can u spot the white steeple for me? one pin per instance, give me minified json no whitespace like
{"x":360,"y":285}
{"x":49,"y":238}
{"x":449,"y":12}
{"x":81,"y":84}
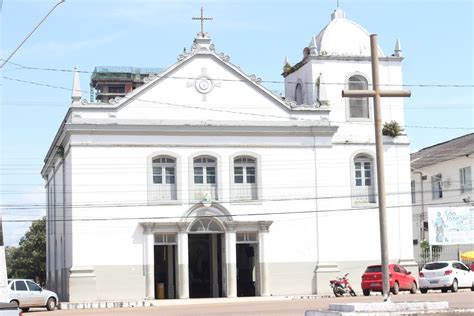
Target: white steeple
{"x":76,"y":95}
{"x":313,"y":46}
{"x":286,"y":65}
{"x":398,"y":49}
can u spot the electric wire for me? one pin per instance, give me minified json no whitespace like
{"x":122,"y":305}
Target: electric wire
{"x":436,"y":85}
{"x":260,"y":213}
{"x":239,"y":112}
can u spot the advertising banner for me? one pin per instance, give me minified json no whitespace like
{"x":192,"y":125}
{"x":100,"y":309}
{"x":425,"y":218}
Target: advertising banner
{"x":451,"y":225}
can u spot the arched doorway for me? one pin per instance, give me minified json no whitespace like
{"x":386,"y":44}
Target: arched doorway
{"x":205,"y":251}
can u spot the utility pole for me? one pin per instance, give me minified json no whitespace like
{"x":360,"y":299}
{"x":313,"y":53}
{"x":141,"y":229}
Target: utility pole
{"x":28,"y":36}
{"x":376,"y":93}
{"x":3,"y":265}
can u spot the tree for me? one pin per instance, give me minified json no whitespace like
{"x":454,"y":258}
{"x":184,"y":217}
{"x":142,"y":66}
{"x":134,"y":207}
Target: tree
{"x":28,"y":260}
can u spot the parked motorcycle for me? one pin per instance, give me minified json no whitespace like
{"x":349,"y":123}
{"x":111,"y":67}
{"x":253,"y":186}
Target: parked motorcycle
{"x":341,"y":286}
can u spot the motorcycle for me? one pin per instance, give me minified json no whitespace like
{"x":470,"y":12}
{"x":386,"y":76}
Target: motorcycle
{"x":341,"y":286}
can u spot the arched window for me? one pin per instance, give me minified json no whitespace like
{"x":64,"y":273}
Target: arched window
{"x":299,"y":94}
{"x":164,"y":178}
{"x":363,"y":179}
{"x":208,"y":225}
{"x":244,"y":186}
{"x":205,"y":177}
{"x":358,"y":107}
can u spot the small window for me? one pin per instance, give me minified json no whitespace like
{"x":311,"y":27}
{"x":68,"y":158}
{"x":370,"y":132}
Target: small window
{"x":117,"y":89}
{"x":164,"y":170}
{"x":163,"y":178}
{"x":358,"y":107}
{"x":363,"y":184}
{"x":246,"y":238}
{"x":204,"y":170}
{"x":165,"y":239}
{"x":12,"y":286}
{"x":245,"y":178}
{"x":437,"y":186}
{"x":205,"y":177}
{"x":396,"y":268}
{"x":299,"y":94}
{"x":20,"y":286}
{"x":425,"y":226}
{"x":465,"y":179}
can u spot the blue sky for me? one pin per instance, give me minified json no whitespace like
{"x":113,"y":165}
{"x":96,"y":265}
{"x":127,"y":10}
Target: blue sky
{"x":436,"y":37}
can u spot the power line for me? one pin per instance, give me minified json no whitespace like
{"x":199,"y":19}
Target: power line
{"x":440,"y":153}
{"x":238,"y":112}
{"x":104,"y":162}
{"x":90,"y":219}
{"x":435,"y":85}
{"x":267,"y":198}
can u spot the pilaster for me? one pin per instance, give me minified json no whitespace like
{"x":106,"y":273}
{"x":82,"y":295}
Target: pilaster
{"x":183,"y":261}
{"x":149,"y":243}
{"x":231,"y":260}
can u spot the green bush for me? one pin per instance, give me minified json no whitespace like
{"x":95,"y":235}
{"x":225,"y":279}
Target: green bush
{"x":391,"y":129}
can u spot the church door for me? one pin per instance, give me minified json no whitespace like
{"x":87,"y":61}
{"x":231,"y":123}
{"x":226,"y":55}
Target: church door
{"x":205,"y":250}
{"x":205,"y":262}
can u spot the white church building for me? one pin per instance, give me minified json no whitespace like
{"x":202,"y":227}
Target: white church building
{"x":203,"y":183}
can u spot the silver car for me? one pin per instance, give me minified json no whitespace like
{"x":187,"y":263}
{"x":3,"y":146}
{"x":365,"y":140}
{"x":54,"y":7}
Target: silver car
{"x":446,"y":275}
{"x":26,"y":294}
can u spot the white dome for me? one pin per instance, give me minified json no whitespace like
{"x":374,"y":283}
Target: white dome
{"x":342,"y":37}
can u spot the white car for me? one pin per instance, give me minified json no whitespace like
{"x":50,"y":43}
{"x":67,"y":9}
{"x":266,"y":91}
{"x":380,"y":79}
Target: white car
{"x":26,"y":294}
{"x":446,"y":275}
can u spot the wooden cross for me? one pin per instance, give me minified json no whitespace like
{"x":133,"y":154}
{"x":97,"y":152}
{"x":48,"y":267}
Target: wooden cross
{"x":202,"y":18}
{"x":376,"y":93}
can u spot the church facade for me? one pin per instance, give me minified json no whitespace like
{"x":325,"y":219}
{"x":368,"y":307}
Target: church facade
{"x":203,"y":183}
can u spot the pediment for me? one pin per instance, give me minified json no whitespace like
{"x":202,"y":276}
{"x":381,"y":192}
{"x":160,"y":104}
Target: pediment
{"x":202,"y":86}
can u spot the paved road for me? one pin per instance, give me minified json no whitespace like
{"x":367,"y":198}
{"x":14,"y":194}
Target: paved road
{"x":261,"y":306}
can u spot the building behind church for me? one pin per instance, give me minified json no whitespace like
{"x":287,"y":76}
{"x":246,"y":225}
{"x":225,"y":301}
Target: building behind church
{"x":441,"y":182}
{"x":203,"y":183}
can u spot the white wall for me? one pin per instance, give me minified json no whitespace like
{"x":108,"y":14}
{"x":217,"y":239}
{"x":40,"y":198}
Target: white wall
{"x":452,"y":197}
{"x":116,"y":176}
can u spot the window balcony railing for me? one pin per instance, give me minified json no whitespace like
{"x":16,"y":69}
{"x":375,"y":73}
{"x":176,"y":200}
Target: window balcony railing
{"x":200,"y":190}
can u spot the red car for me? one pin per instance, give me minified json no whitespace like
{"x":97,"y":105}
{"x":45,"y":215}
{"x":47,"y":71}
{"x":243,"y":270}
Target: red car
{"x":400,"y":279}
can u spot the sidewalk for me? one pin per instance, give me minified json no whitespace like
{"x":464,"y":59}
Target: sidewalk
{"x":176,"y":302}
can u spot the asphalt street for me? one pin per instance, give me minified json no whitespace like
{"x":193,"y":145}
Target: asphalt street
{"x":265,"y":306}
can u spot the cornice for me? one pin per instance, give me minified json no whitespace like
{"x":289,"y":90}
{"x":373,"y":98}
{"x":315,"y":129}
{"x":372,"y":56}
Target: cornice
{"x":156,"y":127}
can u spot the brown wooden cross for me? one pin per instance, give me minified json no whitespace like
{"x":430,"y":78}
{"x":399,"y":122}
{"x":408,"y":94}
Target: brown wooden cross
{"x":202,"y":18}
{"x":376,"y":93}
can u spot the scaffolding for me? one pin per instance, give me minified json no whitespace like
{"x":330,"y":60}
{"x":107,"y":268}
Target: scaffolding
{"x":103,"y":76}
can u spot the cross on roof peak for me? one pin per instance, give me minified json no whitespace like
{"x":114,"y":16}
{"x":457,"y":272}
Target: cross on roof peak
{"x":202,"y":18}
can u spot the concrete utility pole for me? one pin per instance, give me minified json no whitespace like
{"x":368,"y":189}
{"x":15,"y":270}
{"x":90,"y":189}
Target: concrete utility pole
{"x":376,"y":93}
{"x":28,"y":36}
